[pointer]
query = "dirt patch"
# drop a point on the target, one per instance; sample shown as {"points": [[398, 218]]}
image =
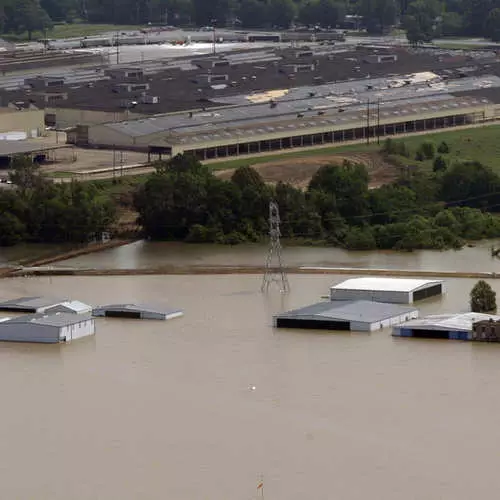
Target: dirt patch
{"points": [[298, 171]]}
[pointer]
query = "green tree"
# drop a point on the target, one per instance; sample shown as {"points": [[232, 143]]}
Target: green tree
{"points": [[483, 298], [492, 25], [253, 13], [378, 14], [452, 24], [439, 164], [443, 148], [281, 13]]}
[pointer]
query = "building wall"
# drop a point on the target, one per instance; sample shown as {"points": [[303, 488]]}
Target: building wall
{"points": [[71, 117], [389, 296], [386, 323], [25, 332], [30, 121], [78, 330]]}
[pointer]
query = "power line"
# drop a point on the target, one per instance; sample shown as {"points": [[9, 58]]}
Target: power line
{"points": [[275, 271]]}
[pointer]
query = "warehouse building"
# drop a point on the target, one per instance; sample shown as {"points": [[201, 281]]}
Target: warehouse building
{"points": [[354, 315], [48, 329], [70, 306], [21, 121], [136, 311], [390, 290], [262, 128], [31, 304], [445, 326]]}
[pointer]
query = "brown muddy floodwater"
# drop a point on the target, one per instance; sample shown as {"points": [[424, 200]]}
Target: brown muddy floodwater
{"points": [[143, 254], [164, 410]]}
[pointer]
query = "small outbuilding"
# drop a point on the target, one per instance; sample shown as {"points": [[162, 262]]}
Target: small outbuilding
{"points": [[444, 326], [70, 306], [47, 328], [31, 304], [385, 289], [353, 315], [136, 311]]}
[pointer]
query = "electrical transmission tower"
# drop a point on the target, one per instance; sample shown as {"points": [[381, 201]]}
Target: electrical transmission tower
{"points": [[275, 272]]}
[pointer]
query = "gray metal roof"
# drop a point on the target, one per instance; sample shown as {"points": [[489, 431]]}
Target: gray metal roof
{"points": [[448, 322], [8, 148], [327, 99], [56, 320], [145, 308], [31, 302], [349, 310]]}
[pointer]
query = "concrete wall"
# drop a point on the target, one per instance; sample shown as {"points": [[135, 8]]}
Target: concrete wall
{"points": [[30, 121]]}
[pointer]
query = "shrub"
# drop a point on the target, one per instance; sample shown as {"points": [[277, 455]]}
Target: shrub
{"points": [[483, 298], [443, 148]]}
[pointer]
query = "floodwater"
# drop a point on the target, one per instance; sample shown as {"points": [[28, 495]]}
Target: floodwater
{"points": [[165, 410], [143, 254]]}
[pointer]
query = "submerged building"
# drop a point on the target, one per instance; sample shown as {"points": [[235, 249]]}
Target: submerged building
{"points": [[136, 311], [45, 305], [354, 315], [446, 326], [47, 328], [384, 289]]}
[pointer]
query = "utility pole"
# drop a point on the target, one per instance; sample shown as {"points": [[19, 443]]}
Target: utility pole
{"points": [[117, 42], [213, 22], [378, 121], [275, 271], [368, 121]]}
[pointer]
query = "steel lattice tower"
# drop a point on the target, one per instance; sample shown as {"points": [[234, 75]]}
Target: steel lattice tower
{"points": [[275, 271]]}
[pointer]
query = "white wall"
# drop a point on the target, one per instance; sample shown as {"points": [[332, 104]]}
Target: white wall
{"points": [[359, 326], [389, 296], [78, 330]]}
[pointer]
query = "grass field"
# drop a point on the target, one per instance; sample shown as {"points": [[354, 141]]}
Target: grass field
{"points": [[75, 30], [481, 144]]}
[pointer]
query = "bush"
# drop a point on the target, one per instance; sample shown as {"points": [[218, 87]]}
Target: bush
{"points": [[360, 238], [419, 156], [443, 148], [428, 150], [439, 164], [483, 298]]}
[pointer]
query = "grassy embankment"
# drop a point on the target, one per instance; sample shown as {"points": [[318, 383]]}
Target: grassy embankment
{"points": [[74, 30], [480, 144]]}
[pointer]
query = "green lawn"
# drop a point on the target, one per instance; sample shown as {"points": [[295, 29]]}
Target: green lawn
{"points": [[481, 144], [75, 30]]}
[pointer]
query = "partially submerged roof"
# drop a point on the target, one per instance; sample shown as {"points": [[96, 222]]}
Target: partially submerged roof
{"points": [[55, 320], [30, 303], [70, 306], [348, 310], [139, 308], [449, 322], [372, 283]]}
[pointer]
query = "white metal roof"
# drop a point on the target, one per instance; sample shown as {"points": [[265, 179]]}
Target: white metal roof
{"points": [[455, 322], [374, 283]]}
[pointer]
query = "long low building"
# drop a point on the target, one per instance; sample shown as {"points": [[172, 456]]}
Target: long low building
{"points": [[258, 128], [444, 326], [47, 328], [385, 289], [136, 311], [357, 315]]}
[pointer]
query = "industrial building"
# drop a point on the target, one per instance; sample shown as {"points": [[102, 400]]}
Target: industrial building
{"points": [[48, 329], [70, 306], [31, 304], [136, 311], [353, 315], [445, 326], [389, 290], [21, 121]]}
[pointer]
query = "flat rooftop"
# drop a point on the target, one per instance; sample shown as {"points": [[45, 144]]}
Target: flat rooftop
{"points": [[348, 310], [30, 302], [448, 322], [10, 148], [384, 284]]}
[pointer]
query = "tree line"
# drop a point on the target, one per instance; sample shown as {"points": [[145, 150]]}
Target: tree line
{"points": [[184, 201], [423, 20], [37, 210]]}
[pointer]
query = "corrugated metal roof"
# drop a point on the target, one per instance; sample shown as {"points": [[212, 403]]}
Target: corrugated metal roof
{"points": [[349, 310], [447, 322], [31, 302], [57, 320], [145, 308], [372, 283]]}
